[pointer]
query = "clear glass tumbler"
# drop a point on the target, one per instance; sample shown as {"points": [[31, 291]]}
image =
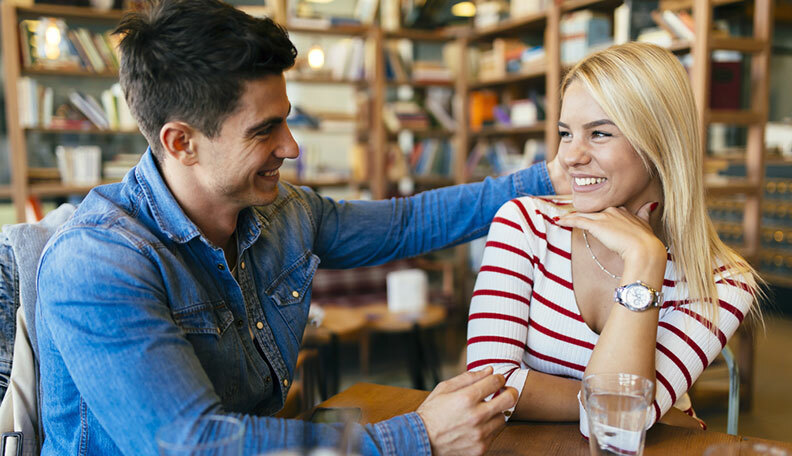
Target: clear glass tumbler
{"points": [[618, 408], [210, 435]]}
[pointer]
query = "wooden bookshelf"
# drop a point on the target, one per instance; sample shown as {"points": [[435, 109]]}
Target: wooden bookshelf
{"points": [[53, 189], [5, 191], [420, 35], [536, 129], [323, 79], [70, 12], [342, 30], [532, 74], [424, 132], [510, 27], [402, 82], [80, 131], [77, 72], [21, 187]]}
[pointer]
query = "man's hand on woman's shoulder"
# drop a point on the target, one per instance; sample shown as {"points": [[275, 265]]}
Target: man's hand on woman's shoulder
{"points": [[559, 177], [456, 417]]}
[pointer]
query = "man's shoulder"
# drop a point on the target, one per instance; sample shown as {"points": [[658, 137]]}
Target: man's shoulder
{"points": [[113, 210]]}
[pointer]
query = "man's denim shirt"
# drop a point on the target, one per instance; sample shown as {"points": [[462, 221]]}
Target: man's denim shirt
{"points": [[140, 320]]}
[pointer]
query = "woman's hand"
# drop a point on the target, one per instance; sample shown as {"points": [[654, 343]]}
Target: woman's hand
{"points": [[630, 236]]}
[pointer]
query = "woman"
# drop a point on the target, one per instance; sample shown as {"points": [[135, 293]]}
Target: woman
{"points": [[544, 313]]}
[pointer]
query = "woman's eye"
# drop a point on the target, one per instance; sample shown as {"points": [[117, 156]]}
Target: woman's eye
{"points": [[600, 134], [564, 134]]}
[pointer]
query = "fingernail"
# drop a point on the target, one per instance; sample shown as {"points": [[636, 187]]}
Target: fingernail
{"points": [[653, 206]]}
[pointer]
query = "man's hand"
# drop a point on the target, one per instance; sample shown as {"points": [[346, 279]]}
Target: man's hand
{"points": [[456, 417], [559, 177]]}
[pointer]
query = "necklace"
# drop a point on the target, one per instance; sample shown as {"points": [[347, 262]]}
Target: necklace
{"points": [[593, 257]]}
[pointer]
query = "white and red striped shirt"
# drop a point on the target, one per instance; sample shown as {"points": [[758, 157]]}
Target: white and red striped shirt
{"points": [[524, 316]]}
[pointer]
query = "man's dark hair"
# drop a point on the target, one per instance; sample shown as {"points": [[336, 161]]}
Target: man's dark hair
{"points": [[188, 60]]}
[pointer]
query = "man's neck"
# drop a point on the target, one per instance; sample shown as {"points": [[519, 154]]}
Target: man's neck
{"points": [[217, 222]]}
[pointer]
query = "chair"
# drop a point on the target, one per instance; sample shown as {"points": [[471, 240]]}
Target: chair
{"points": [[734, 390], [20, 417]]}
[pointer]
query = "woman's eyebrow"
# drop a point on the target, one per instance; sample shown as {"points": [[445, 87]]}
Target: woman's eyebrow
{"points": [[597, 123]]}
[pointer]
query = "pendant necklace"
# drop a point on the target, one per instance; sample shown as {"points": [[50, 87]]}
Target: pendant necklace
{"points": [[593, 257]]}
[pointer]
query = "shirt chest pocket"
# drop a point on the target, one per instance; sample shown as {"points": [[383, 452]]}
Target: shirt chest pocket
{"points": [[294, 283], [210, 318]]}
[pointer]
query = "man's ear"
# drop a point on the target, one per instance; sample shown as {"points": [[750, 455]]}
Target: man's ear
{"points": [[179, 141]]}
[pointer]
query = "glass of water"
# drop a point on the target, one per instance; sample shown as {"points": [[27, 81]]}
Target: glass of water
{"points": [[210, 435], [618, 409]]}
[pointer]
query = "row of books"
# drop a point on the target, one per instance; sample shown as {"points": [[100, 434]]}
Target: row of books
{"points": [[502, 157], [79, 165], [80, 112], [48, 43], [486, 110], [431, 156], [400, 65], [508, 56], [409, 115], [582, 32]]}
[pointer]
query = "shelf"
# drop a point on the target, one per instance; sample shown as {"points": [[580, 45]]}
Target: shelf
{"points": [[68, 72], [425, 132], [319, 182], [574, 5], [745, 45], [324, 80], [536, 21], [58, 189], [513, 78], [345, 30], [777, 279], [504, 131], [728, 187], [90, 131], [5, 191], [676, 5], [433, 181], [412, 83], [75, 12], [734, 117], [680, 47], [420, 35]]}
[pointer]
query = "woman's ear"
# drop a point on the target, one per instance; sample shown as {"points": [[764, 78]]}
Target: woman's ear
{"points": [[178, 140]]}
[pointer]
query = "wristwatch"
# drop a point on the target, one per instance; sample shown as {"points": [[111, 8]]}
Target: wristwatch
{"points": [[638, 296]]}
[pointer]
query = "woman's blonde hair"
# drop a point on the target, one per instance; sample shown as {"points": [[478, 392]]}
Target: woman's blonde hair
{"points": [[646, 92]]}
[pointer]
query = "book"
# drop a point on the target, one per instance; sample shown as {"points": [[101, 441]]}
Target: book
{"points": [[677, 26], [88, 106]]}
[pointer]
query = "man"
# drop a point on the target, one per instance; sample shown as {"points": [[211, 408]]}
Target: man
{"points": [[183, 290]]}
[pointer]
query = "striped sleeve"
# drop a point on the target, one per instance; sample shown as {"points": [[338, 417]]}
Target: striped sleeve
{"points": [[498, 320], [687, 342]]}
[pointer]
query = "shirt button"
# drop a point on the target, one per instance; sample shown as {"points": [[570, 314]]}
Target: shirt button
{"points": [[267, 379], [221, 267], [295, 294], [507, 413], [239, 323], [242, 265], [285, 382], [260, 325]]}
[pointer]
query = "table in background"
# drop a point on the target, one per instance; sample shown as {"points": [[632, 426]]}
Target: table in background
{"points": [[379, 403]]}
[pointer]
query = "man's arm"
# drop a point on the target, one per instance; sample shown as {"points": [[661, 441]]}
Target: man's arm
{"points": [[102, 310], [359, 233]]}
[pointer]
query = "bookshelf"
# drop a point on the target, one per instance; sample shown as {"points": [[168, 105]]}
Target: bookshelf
{"points": [[22, 185]]}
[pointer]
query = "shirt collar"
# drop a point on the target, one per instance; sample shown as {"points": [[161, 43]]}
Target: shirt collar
{"points": [[169, 216]]}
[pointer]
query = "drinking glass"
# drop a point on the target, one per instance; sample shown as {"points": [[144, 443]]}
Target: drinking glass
{"points": [[211, 435], [745, 448], [618, 409]]}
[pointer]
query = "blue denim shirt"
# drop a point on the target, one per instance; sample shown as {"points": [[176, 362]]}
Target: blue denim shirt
{"points": [[140, 320]]}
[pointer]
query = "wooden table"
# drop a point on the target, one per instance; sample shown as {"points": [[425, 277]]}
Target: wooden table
{"points": [[379, 403]]}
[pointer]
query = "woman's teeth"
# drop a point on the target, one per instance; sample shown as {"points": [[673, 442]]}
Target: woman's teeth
{"points": [[268, 173], [589, 180]]}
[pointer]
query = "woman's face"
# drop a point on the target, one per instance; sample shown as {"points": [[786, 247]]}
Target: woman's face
{"points": [[604, 168]]}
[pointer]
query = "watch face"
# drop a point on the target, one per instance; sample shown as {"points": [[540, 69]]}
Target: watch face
{"points": [[638, 296]]}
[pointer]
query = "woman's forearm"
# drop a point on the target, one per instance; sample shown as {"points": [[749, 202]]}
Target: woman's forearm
{"points": [[547, 397], [627, 342]]}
